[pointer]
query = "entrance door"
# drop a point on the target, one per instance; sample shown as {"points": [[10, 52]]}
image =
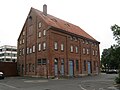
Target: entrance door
{"points": [[89, 67], [71, 68], [56, 66]]}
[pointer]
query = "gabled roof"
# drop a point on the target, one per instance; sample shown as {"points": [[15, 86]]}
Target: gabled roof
{"points": [[63, 25]]}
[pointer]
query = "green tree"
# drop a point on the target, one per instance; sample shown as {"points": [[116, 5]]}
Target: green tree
{"points": [[116, 33]]}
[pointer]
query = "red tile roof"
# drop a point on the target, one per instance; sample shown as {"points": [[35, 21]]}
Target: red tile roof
{"points": [[61, 24]]}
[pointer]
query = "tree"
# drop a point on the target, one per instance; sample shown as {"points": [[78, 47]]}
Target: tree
{"points": [[116, 33]]}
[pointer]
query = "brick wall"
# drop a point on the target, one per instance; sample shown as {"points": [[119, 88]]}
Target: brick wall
{"points": [[9, 68]]}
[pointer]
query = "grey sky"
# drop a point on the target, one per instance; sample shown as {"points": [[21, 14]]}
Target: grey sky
{"points": [[93, 16]]}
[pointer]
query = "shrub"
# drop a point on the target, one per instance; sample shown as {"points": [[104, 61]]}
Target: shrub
{"points": [[117, 80]]}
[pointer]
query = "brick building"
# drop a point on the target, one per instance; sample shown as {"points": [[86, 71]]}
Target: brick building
{"points": [[49, 46]]}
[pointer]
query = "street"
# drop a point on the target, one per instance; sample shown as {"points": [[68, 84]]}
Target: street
{"points": [[100, 82]]}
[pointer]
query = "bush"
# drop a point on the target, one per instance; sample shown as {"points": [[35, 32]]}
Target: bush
{"points": [[117, 80]]}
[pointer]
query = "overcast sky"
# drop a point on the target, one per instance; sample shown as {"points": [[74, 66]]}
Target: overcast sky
{"points": [[93, 16]]}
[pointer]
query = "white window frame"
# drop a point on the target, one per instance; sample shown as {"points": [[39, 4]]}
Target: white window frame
{"points": [[71, 48], [30, 50], [39, 47], [23, 51], [76, 49], [87, 51], [23, 41], [20, 42], [55, 45], [96, 52], [33, 48], [44, 45], [23, 33], [39, 25], [83, 50], [44, 32], [93, 52], [62, 47], [27, 50], [39, 34]]}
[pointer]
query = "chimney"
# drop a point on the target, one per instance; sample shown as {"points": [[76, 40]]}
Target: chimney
{"points": [[45, 9]]}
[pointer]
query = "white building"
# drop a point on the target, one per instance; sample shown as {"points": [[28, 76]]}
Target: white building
{"points": [[8, 53]]}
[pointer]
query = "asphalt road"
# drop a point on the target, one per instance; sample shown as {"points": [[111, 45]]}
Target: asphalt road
{"points": [[100, 82]]}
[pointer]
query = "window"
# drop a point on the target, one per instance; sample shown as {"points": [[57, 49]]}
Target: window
{"points": [[39, 47], [30, 30], [71, 48], [20, 52], [87, 42], [23, 33], [27, 50], [39, 61], [26, 67], [44, 46], [23, 41], [77, 65], [87, 51], [44, 61], [55, 45], [62, 47], [76, 49], [39, 25], [44, 32], [33, 67], [83, 50], [30, 50], [23, 51], [96, 52], [39, 34], [29, 67], [93, 52], [62, 61], [83, 41], [20, 42], [34, 48], [84, 65]]}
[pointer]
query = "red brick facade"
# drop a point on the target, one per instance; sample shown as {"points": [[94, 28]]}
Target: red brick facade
{"points": [[46, 50]]}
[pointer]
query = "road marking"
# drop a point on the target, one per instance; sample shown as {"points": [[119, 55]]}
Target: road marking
{"points": [[82, 87], [8, 85], [35, 81]]}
